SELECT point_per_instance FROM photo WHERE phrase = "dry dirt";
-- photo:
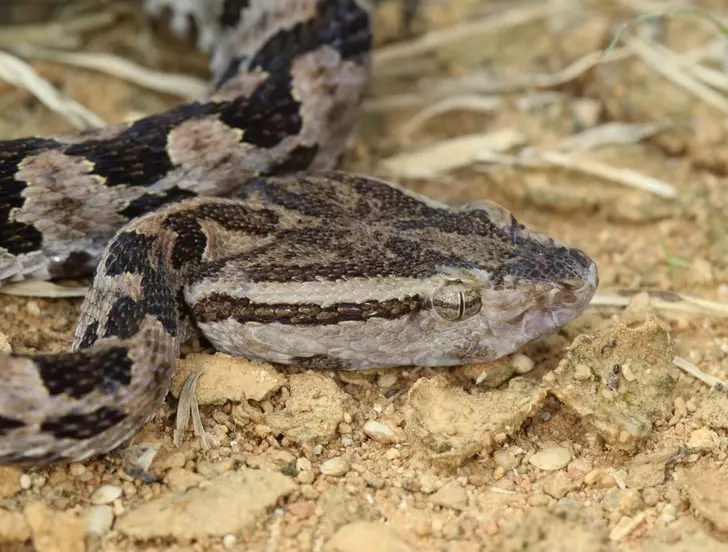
(589, 440)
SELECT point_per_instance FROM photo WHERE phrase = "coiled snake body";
(224, 217)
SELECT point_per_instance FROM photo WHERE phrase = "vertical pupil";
(461, 305)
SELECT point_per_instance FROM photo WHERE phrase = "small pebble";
(105, 494)
(99, 519)
(508, 458)
(5, 346)
(335, 467)
(228, 541)
(392, 454)
(551, 459)
(377, 431)
(305, 477)
(385, 381)
(303, 464)
(32, 308)
(25, 482)
(582, 372)
(626, 526)
(522, 364)
(703, 439)
(76, 469)
(669, 514)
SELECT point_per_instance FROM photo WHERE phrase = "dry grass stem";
(42, 288)
(697, 373)
(179, 85)
(443, 37)
(434, 160)
(485, 84)
(608, 134)
(668, 68)
(470, 102)
(618, 175)
(57, 34)
(665, 301)
(19, 73)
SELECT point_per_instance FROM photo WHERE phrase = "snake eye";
(456, 301)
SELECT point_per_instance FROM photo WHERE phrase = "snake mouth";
(530, 311)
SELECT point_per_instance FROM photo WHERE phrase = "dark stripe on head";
(191, 241)
(78, 374)
(468, 223)
(83, 425)
(217, 308)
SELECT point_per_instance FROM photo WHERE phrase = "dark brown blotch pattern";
(9, 424)
(78, 374)
(84, 425)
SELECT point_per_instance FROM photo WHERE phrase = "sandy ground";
(589, 440)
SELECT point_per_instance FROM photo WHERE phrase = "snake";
(229, 218)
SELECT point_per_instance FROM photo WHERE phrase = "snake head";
(523, 286)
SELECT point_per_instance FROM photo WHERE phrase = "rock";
(455, 425)
(313, 410)
(551, 459)
(359, 537)
(13, 527)
(54, 531)
(225, 378)
(522, 364)
(179, 479)
(339, 508)
(105, 494)
(508, 458)
(451, 495)
(558, 528)
(231, 503)
(10, 481)
(704, 439)
(686, 534)
(646, 471)
(335, 467)
(99, 519)
(388, 379)
(624, 501)
(621, 405)
(5, 346)
(713, 410)
(556, 484)
(380, 432)
(706, 487)
(626, 526)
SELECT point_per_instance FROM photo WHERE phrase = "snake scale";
(226, 216)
